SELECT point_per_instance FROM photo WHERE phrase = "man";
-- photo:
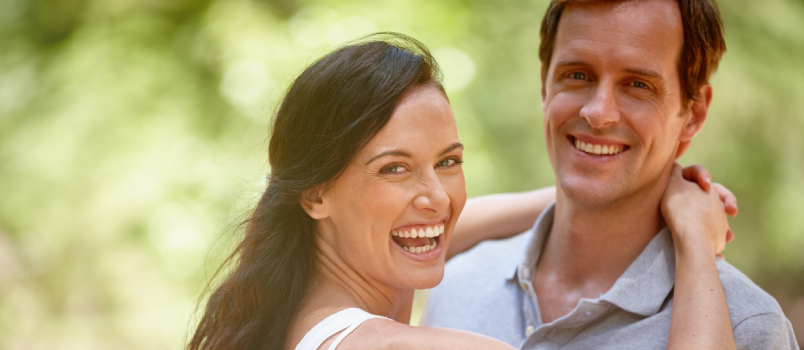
(624, 90)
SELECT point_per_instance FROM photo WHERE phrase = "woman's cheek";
(455, 187)
(393, 198)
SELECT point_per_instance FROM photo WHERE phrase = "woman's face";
(390, 214)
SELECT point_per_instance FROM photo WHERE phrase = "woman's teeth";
(597, 149)
(428, 232)
(425, 249)
(424, 232)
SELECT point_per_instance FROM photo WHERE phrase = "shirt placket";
(554, 335)
(537, 336)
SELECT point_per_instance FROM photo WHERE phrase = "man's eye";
(639, 85)
(578, 76)
(393, 169)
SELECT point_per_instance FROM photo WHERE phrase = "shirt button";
(523, 285)
(529, 330)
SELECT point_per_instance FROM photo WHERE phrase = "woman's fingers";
(729, 199)
(699, 175)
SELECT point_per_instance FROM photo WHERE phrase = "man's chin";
(590, 193)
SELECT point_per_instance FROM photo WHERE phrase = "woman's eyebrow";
(451, 148)
(397, 152)
(393, 152)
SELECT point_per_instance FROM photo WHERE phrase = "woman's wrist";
(692, 242)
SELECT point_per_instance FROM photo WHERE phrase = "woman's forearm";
(498, 216)
(700, 317)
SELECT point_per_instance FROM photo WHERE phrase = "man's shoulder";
(744, 297)
(493, 258)
(756, 317)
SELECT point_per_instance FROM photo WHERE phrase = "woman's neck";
(337, 285)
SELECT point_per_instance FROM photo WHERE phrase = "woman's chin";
(421, 267)
(425, 278)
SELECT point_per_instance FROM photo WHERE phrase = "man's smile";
(597, 146)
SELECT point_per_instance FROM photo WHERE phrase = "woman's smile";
(423, 242)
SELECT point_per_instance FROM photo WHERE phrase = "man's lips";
(597, 146)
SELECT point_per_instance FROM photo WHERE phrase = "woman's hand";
(701, 176)
(695, 212)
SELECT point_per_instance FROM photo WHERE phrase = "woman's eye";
(578, 76)
(447, 162)
(393, 169)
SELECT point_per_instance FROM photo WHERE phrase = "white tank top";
(345, 320)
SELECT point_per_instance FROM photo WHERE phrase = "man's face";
(612, 99)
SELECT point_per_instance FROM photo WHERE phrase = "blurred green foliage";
(133, 139)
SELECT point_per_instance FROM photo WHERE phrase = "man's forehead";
(642, 15)
(650, 29)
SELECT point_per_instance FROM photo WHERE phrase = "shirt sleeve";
(765, 331)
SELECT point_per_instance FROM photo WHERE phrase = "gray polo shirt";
(489, 290)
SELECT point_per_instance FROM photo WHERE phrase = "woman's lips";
(418, 239)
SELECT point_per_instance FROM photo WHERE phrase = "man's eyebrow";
(645, 72)
(397, 152)
(569, 63)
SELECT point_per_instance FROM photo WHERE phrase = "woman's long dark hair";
(330, 112)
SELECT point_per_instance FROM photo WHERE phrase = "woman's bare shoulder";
(390, 335)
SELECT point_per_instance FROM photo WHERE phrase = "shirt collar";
(523, 272)
(645, 285)
(642, 288)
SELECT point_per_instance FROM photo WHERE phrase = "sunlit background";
(133, 139)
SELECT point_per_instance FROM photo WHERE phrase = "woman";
(365, 190)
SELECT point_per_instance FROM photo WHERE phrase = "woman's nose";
(432, 196)
(601, 111)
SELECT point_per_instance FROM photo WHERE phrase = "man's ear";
(697, 116)
(312, 202)
(544, 82)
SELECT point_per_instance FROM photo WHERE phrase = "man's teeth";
(414, 233)
(597, 149)
(429, 232)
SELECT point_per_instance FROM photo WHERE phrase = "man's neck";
(587, 244)
(590, 247)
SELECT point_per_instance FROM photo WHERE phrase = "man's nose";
(601, 111)
(431, 196)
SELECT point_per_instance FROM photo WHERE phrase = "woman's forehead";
(422, 119)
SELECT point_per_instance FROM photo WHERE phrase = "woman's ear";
(698, 110)
(312, 202)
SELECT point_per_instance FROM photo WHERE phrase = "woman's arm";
(698, 223)
(391, 335)
(498, 216)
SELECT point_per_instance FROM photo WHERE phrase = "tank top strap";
(345, 320)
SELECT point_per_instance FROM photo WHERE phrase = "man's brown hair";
(700, 54)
